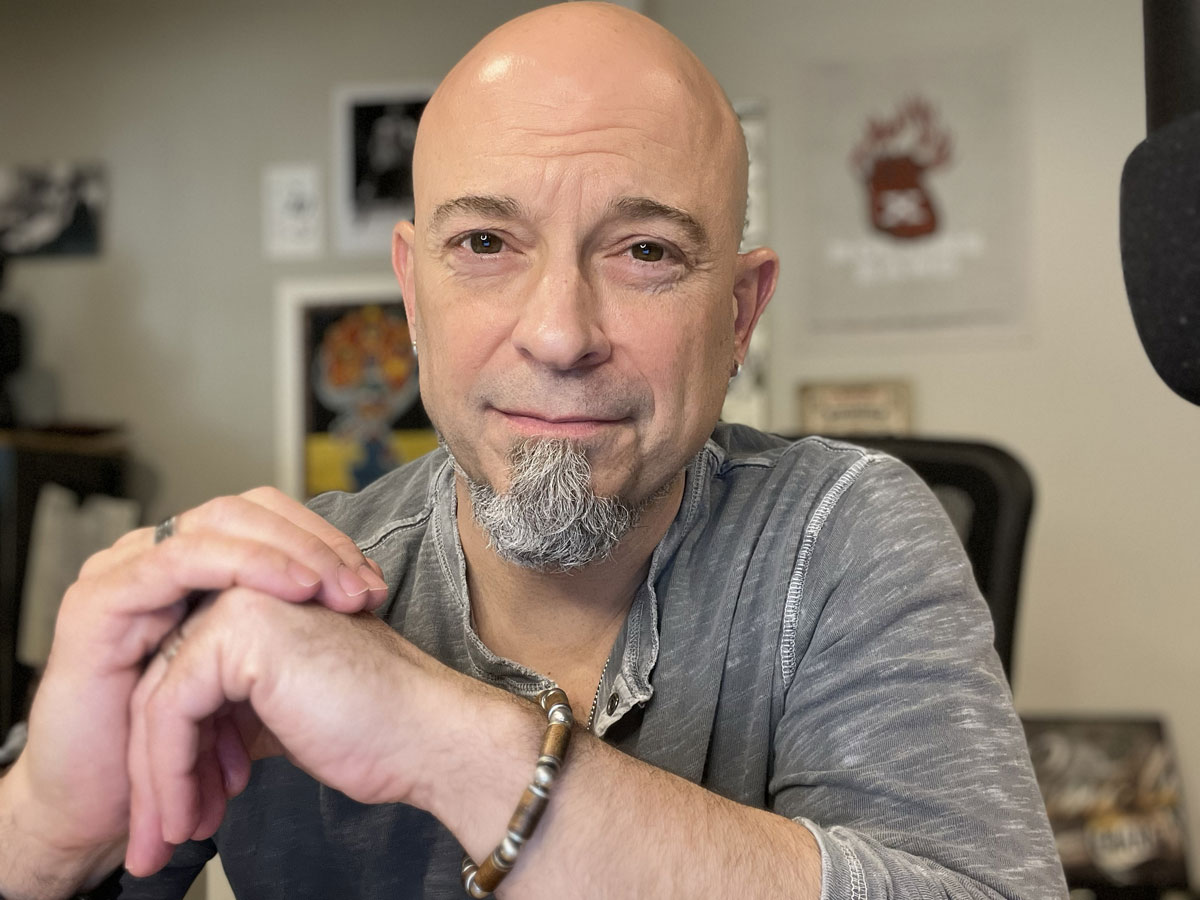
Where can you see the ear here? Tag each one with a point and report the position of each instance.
(753, 285)
(404, 236)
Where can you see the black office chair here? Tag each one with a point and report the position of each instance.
(988, 495)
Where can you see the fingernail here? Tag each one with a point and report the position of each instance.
(302, 574)
(369, 575)
(350, 583)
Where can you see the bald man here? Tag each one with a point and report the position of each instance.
(779, 666)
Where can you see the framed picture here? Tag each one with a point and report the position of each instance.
(375, 130)
(52, 210)
(915, 175)
(348, 400)
(875, 407)
(1113, 793)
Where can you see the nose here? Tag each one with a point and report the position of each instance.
(560, 324)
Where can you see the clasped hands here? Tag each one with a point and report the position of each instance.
(284, 656)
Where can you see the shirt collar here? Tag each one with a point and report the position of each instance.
(622, 686)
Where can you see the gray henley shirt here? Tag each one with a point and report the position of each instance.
(809, 640)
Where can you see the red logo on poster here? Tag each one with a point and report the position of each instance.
(892, 159)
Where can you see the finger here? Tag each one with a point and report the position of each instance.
(184, 772)
(166, 573)
(349, 552)
(287, 508)
(148, 595)
(172, 769)
(233, 757)
(210, 783)
(146, 851)
(128, 545)
(378, 570)
(265, 515)
(348, 581)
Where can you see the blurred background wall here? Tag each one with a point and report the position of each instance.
(170, 330)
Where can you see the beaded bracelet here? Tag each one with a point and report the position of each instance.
(480, 880)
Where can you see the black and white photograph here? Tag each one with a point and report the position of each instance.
(376, 130)
(51, 210)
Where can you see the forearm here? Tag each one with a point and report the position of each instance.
(32, 865)
(617, 827)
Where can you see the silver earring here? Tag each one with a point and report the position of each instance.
(414, 346)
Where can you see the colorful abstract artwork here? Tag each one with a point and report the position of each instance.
(350, 386)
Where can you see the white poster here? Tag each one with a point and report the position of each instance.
(916, 193)
(293, 219)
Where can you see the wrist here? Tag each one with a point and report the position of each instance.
(35, 864)
(480, 879)
(489, 742)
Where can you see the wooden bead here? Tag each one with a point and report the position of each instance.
(479, 881)
(556, 740)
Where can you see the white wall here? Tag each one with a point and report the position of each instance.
(1111, 603)
(170, 330)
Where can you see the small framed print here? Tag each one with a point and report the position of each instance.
(866, 407)
(52, 210)
(349, 402)
(375, 131)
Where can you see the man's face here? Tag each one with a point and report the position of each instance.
(571, 275)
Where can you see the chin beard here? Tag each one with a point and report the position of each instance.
(550, 518)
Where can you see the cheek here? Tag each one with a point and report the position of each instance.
(688, 370)
(460, 333)
(450, 355)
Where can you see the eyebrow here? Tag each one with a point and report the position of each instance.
(636, 208)
(481, 205)
(645, 209)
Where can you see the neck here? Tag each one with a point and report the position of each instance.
(558, 623)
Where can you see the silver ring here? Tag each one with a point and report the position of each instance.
(164, 529)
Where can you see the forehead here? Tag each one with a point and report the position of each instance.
(553, 142)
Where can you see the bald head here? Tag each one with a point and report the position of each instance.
(573, 267)
(577, 69)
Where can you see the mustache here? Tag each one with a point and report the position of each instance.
(566, 398)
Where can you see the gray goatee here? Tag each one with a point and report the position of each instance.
(550, 518)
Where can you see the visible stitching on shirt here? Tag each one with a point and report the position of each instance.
(858, 879)
(697, 477)
(822, 845)
(455, 579)
(393, 528)
(390, 529)
(696, 485)
(768, 461)
(791, 609)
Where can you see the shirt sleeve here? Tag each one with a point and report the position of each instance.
(898, 746)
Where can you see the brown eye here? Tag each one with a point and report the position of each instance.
(485, 242)
(646, 251)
